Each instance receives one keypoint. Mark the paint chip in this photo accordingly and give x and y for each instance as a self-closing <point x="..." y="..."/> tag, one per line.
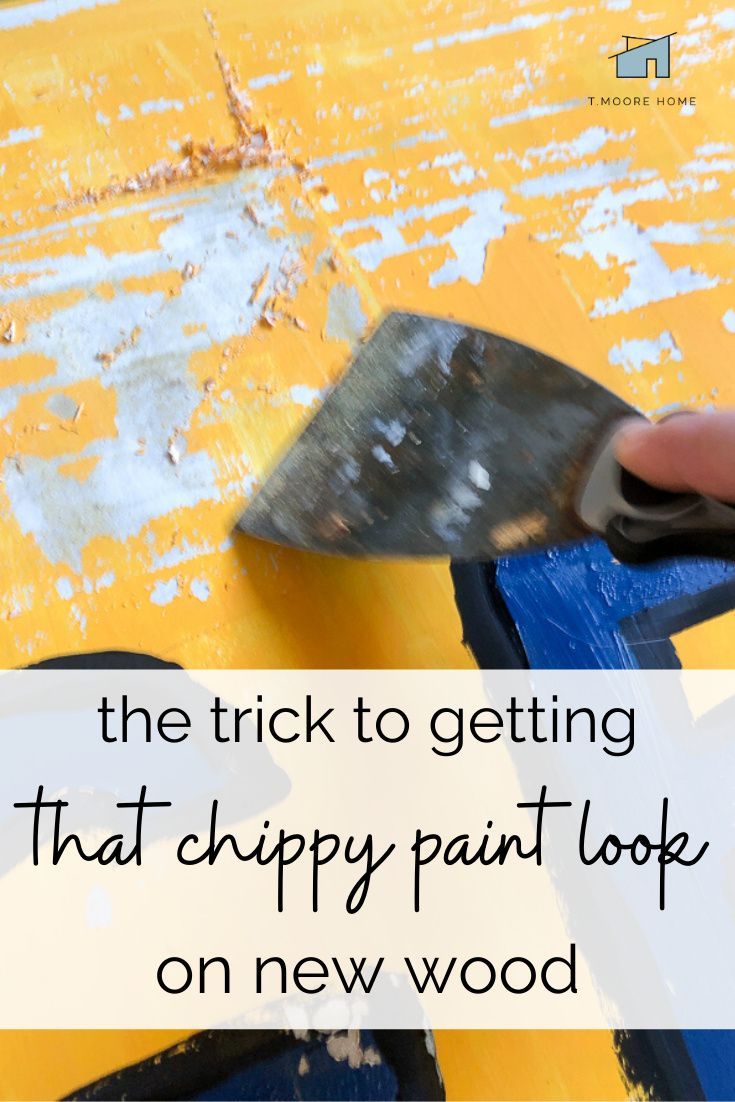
<point x="199" y="588"/>
<point x="163" y="593"/>
<point x="479" y="477"/>
<point x="346" y="1047"/>
<point x="9" y="334"/>
<point x="176" y="448"/>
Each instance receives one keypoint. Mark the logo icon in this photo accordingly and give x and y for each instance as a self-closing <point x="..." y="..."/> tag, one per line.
<point x="644" y="57"/>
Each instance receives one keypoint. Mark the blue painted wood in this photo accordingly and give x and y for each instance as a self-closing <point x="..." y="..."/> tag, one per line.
<point x="713" y="1053"/>
<point x="573" y="606"/>
<point x="577" y="608"/>
<point x="307" y="1072"/>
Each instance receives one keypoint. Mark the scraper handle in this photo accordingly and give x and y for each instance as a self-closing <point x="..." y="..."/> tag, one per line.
<point x="641" y="523"/>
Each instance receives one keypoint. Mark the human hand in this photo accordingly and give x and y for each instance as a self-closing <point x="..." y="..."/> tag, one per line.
<point x="693" y="453"/>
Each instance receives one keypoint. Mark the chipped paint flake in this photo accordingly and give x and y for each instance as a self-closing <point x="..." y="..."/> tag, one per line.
<point x="347" y="1048"/>
<point x="199" y="588"/>
<point x="163" y="593"/>
<point x="346" y="320"/>
<point x="21" y="134"/>
<point x="269" y="79"/>
<point x="479" y="477"/>
<point x="303" y="395"/>
<point x="485" y="220"/>
<point x="634" y="353"/>
<point x="44" y="11"/>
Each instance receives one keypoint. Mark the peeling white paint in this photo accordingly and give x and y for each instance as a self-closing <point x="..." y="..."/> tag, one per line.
<point x="64" y="588"/>
<point x="159" y="106"/>
<point x="486" y="221"/>
<point x="725" y="19"/>
<point x="21" y="134"/>
<point x="632" y="354"/>
<point x="611" y="239"/>
<point x="574" y="179"/>
<point x="424" y="137"/>
<point x="535" y="111"/>
<point x="728" y="320"/>
<point x="373" y="175"/>
<point x="179" y="553"/>
<point x="465" y="174"/>
<point x="199" y="588"/>
<point x="163" y="593"/>
<point x="329" y="203"/>
<point x="156" y="396"/>
<point x="268" y="79"/>
<point x="346" y="320"/>
<point x="342" y="158"/>
<point x="586" y="144"/>
<point x="346" y="1047"/>
<point x="302" y="395"/>
<point x="44" y="11"/>
<point x="525" y="22"/>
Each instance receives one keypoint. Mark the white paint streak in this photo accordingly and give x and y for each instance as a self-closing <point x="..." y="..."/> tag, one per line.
<point x="159" y="106"/>
<point x="302" y="395"/>
<point x="485" y="221"/>
<point x="424" y="137"/>
<point x="535" y="111"/>
<point x="725" y="19"/>
<point x="611" y="239"/>
<point x="156" y="396"/>
<point x="64" y="588"/>
<point x="342" y="158"/>
<point x="526" y="22"/>
<point x="346" y="320"/>
<point x="270" y="78"/>
<point x="587" y="143"/>
<point x="44" y="11"/>
<point x="632" y="354"/>
<point x="20" y="135"/>
<point x="574" y="179"/>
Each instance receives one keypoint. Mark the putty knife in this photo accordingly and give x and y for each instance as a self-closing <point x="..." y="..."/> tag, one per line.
<point x="443" y="440"/>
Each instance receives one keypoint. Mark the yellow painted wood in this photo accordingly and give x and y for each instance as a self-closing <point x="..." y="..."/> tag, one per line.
<point x="708" y="646"/>
<point x="529" y="1065"/>
<point x="431" y="156"/>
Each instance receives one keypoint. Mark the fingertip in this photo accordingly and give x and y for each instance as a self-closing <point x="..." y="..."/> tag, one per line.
<point x="632" y="436"/>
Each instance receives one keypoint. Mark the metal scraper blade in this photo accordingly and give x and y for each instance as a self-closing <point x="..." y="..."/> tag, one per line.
<point x="440" y="440"/>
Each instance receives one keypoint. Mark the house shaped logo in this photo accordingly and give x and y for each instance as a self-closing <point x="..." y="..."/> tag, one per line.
<point x="643" y="57"/>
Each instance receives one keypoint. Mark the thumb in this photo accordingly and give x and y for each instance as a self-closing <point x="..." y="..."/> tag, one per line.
<point x="693" y="453"/>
